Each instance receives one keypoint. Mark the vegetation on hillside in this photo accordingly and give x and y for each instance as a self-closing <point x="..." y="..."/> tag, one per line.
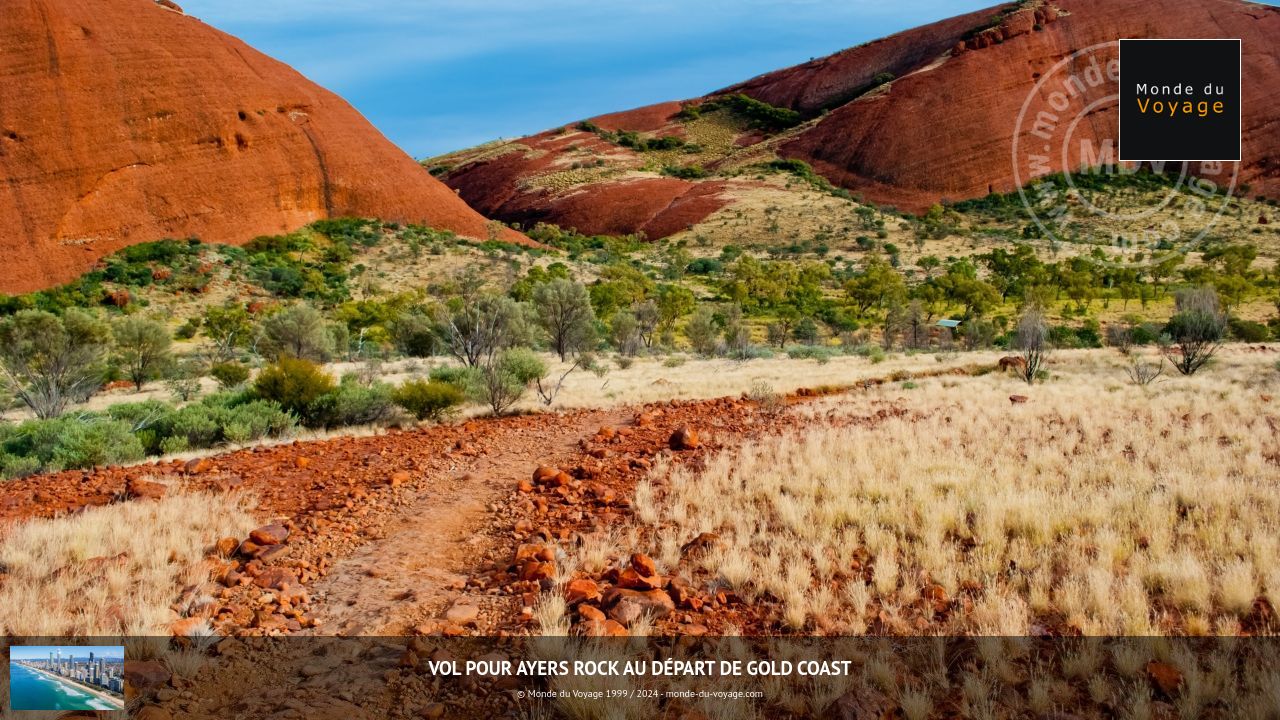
<point x="261" y="321"/>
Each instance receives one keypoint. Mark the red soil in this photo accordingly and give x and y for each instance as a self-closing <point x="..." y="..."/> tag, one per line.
<point x="645" y="119"/>
<point x="124" y="121"/>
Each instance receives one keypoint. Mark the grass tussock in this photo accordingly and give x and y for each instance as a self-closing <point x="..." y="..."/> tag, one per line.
<point x="1097" y="506"/>
<point x="115" y="569"/>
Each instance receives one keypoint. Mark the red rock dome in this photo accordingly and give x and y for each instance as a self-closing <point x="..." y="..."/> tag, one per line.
<point x="124" y="121"/>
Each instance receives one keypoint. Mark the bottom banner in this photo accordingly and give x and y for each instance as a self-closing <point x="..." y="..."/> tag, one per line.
<point x="352" y="678"/>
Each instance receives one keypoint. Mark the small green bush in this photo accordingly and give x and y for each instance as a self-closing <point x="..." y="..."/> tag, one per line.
<point x="1249" y="331"/>
<point x="504" y="382"/>
<point x="463" y="378"/>
<point x="66" y="443"/>
<point x="352" y="403"/>
<point x="812" y="352"/>
<point x="428" y="399"/>
<point x="229" y="374"/>
<point x="294" y="384"/>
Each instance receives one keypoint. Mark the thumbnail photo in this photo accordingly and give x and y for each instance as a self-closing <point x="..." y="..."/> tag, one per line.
<point x="66" y="677"/>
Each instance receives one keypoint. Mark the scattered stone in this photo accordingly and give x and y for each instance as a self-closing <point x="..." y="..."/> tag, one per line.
<point x="629" y="578"/>
<point x="140" y="489"/>
<point x="276" y="578"/>
<point x="1018" y="399"/>
<point x="272" y="534"/>
<point x="433" y="711"/>
<point x="226" y="546"/>
<point x="186" y="627"/>
<point x="400" y="478"/>
<point x="462" y="614"/>
<point x="591" y="613"/>
<point x="544" y="474"/>
<point x="146" y="675"/>
<point x="700" y="544"/>
<point x="655" y="602"/>
<point x="644" y="565"/>
<point x="684" y="438"/>
<point x="1165" y="676"/>
<point x="581" y="590"/>
<point x="197" y="466"/>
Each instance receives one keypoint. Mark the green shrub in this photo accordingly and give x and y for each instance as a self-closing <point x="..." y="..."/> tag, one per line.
<point x="761" y="115"/>
<point x="1249" y="331"/>
<point x="685" y="172"/>
<point x="294" y="384"/>
<point x="188" y="329"/>
<point x="502" y="383"/>
<point x="352" y="403"/>
<point x="463" y="378"/>
<point x="428" y="399"/>
<point x="812" y="352"/>
<point x="229" y="374"/>
<point x="69" y="442"/>
<point x="18" y="466"/>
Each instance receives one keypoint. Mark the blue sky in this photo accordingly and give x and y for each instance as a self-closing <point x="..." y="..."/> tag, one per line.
<point x="41" y="652"/>
<point x="439" y="75"/>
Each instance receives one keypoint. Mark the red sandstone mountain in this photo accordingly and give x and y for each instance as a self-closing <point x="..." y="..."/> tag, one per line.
<point x="123" y="121"/>
<point x="942" y="129"/>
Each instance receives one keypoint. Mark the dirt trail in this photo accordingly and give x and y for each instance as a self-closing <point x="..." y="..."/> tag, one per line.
<point x="420" y="562"/>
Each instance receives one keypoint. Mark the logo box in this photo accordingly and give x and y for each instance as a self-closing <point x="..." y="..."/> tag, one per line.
<point x="1180" y="100"/>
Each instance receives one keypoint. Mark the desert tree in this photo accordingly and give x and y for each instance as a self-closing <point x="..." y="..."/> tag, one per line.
<point x="781" y="329"/>
<point x="702" y="331"/>
<point x="228" y="328"/>
<point x="479" y="329"/>
<point x="1032" y="338"/>
<point x="1195" y="331"/>
<point x="737" y="336"/>
<point x="548" y="388"/>
<point x="624" y="333"/>
<point x="674" y="302"/>
<point x="299" y="331"/>
<point x="47" y="361"/>
<point x="648" y="319"/>
<point x="564" y="313"/>
<point x="504" y="379"/>
<point x="1143" y="373"/>
<point x="143" y="348"/>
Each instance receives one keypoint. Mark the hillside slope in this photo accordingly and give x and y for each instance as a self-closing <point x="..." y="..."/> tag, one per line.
<point x="123" y="121"/>
<point x="926" y="115"/>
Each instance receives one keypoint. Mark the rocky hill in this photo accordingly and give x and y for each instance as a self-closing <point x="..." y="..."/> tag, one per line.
<point x="910" y="120"/>
<point x="123" y="121"/>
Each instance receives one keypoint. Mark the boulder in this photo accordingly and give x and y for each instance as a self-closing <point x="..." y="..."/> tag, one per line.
<point x="143" y="676"/>
<point x="462" y="614"/>
<point x="140" y="489"/>
<point x="272" y="534"/>
<point x="545" y="474"/>
<point x="644" y="565"/>
<point x="656" y="603"/>
<point x="581" y="590"/>
<point x="684" y="438"/>
<point x="276" y="578"/>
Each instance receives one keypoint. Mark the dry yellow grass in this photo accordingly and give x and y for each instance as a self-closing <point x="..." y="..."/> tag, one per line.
<point x="64" y="579"/>
<point x="1099" y="505"/>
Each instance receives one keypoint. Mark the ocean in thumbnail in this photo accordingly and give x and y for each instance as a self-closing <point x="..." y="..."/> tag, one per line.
<point x="29" y="689"/>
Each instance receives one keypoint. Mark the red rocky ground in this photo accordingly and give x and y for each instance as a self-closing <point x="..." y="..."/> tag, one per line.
<point x="441" y="530"/>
